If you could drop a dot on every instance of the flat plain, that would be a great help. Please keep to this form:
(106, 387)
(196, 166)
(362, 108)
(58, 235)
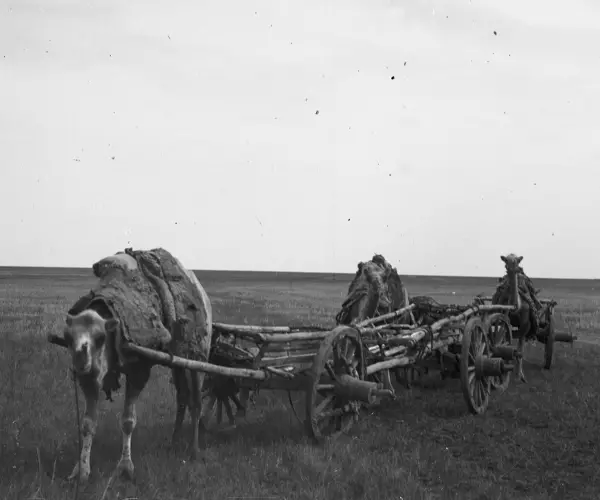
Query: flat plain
(538, 440)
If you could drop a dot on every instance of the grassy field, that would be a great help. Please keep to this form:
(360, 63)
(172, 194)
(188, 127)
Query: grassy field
(536, 441)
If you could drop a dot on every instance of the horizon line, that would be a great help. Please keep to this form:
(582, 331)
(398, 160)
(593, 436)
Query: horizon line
(311, 272)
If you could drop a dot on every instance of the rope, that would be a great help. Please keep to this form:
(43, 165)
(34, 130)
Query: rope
(352, 299)
(76, 493)
(292, 406)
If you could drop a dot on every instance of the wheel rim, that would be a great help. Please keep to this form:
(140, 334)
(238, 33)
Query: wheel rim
(475, 343)
(327, 414)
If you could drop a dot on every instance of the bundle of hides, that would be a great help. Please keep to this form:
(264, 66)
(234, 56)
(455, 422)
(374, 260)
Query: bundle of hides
(429, 310)
(380, 276)
(155, 300)
(392, 295)
(526, 290)
(527, 293)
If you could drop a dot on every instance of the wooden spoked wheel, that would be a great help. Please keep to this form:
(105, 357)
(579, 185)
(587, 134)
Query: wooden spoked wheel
(549, 347)
(327, 414)
(476, 389)
(499, 333)
(220, 393)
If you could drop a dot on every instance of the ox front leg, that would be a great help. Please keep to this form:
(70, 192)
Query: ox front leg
(91, 391)
(136, 381)
(521, 348)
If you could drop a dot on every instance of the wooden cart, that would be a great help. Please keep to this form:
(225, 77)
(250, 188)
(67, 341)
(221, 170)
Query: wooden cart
(345, 369)
(547, 333)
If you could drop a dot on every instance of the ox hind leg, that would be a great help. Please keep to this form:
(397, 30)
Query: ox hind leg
(183, 395)
(523, 331)
(188, 386)
(91, 392)
(137, 378)
(196, 381)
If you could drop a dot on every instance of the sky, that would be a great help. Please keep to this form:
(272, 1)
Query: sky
(302, 135)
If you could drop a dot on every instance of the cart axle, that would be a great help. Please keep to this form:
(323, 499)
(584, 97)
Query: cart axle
(506, 353)
(353, 389)
(491, 367)
(564, 337)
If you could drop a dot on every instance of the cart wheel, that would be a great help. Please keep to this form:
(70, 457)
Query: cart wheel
(499, 331)
(549, 348)
(327, 415)
(476, 389)
(219, 393)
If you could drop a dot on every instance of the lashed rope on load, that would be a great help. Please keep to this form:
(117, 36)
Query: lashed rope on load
(353, 298)
(153, 271)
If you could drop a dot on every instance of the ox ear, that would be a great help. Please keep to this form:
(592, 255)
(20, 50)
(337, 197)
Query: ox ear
(360, 265)
(111, 325)
(68, 336)
(503, 258)
(519, 259)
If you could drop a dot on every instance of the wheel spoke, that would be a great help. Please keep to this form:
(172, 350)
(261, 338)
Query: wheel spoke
(333, 413)
(229, 412)
(330, 370)
(328, 399)
(219, 411)
(207, 412)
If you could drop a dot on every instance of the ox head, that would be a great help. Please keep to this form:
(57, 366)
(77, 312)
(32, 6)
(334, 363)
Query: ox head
(511, 262)
(85, 336)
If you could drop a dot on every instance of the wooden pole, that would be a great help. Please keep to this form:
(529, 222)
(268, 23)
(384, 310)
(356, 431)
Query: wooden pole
(162, 358)
(542, 301)
(401, 361)
(261, 338)
(420, 333)
(384, 317)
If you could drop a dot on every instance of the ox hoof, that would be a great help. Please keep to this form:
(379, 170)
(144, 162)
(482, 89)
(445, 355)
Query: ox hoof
(82, 475)
(176, 439)
(125, 469)
(197, 455)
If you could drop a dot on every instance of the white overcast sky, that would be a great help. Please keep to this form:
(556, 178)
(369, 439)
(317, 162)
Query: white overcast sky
(193, 126)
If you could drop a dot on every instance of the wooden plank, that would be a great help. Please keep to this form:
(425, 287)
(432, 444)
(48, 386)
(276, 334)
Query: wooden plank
(288, 360)
(294, 346)
(301, 382)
